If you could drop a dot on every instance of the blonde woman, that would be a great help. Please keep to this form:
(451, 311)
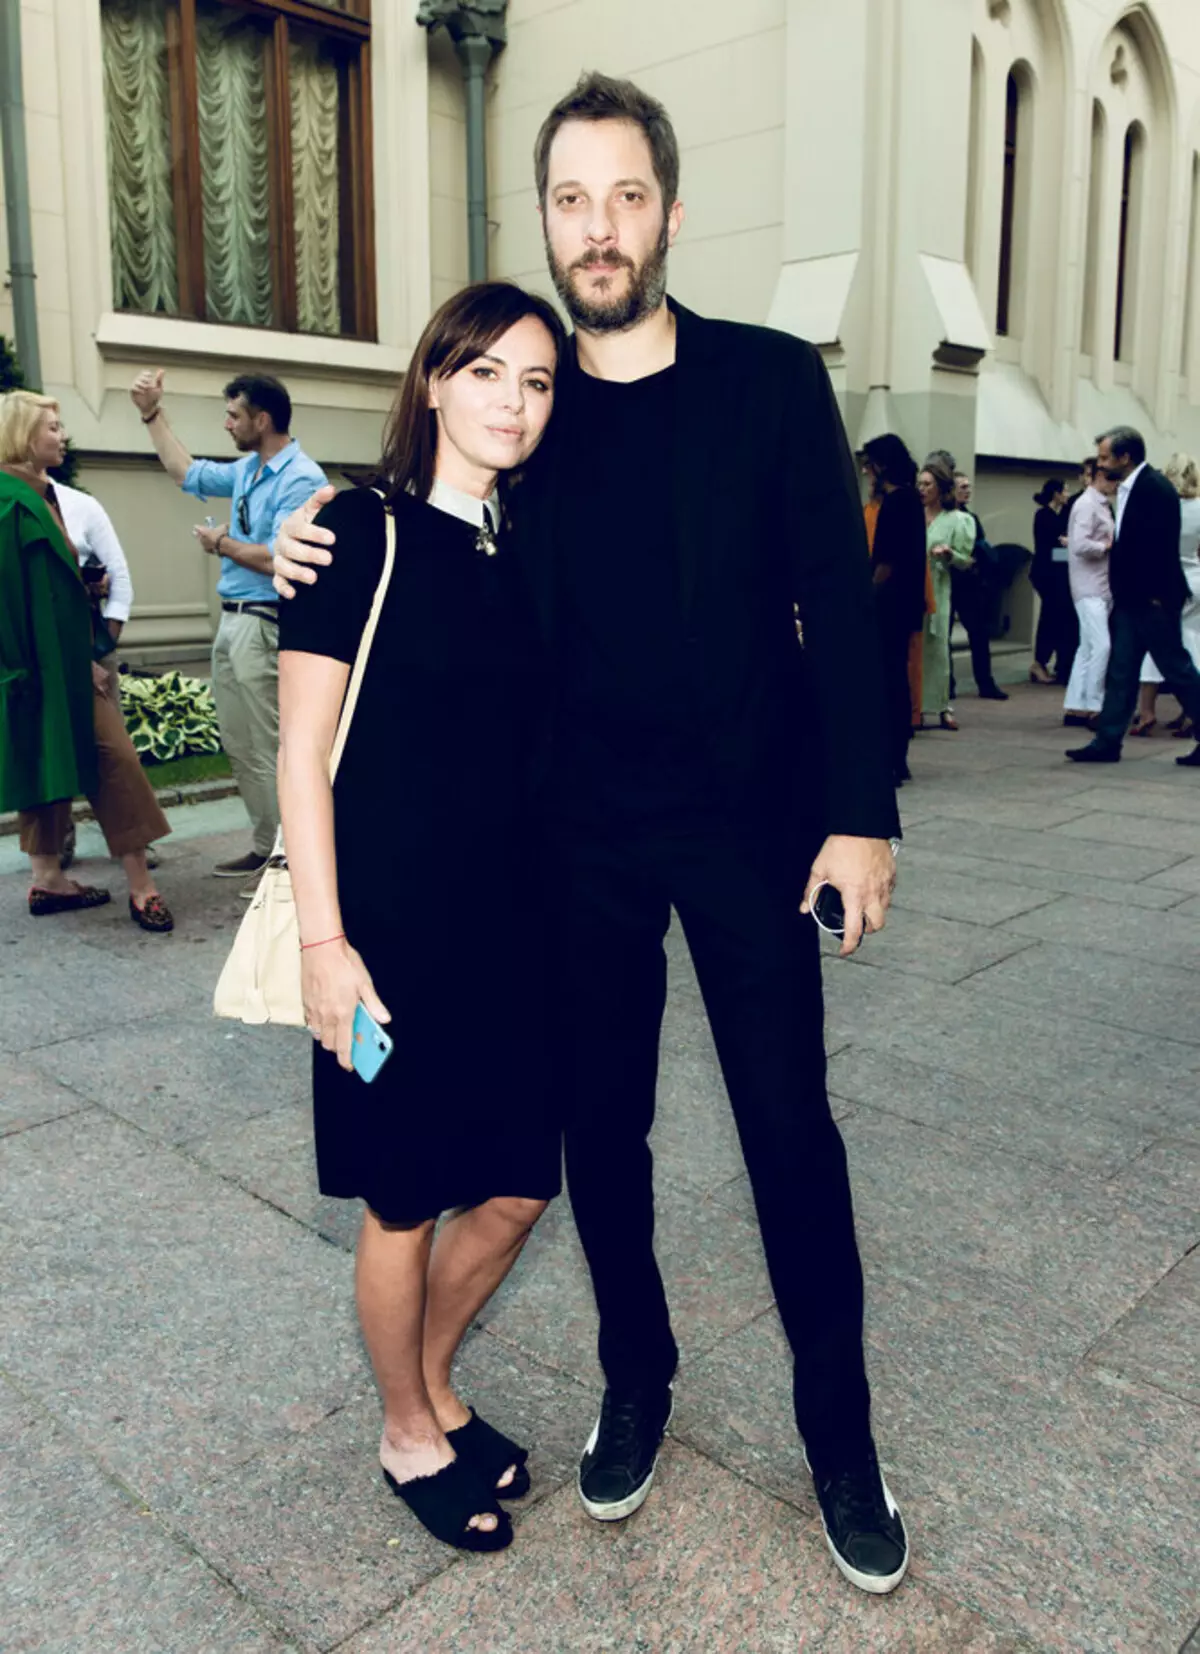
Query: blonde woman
(1183, 473)
(61, 731)
(950, 543)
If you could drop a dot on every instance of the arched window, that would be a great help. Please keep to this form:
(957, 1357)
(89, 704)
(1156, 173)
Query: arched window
(1091, 266)
(1192, 275)
(1014, 208)
(1129, 242)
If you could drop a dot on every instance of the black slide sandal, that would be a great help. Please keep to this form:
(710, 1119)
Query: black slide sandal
(492, 1453)
(444, 1504)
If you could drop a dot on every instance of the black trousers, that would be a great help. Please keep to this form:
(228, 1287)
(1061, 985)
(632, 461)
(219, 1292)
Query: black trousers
(758, 965)
(1058, 624)
(1149, 629)
(971, 597)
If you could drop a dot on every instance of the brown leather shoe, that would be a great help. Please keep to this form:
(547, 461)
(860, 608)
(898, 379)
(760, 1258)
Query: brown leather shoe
(154, 914)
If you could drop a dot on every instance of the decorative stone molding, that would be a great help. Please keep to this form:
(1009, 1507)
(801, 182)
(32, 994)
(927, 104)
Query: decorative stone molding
(1119, 72)
(1001, 10)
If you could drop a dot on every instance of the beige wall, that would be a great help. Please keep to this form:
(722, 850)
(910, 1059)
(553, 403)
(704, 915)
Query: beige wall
(842, 177)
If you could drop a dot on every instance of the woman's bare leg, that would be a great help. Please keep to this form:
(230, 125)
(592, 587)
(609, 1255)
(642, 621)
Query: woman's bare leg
(474, 1251)
(141, 880)
(389, 1277)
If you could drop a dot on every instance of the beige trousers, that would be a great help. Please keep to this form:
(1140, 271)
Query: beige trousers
(123, 802)
(245, 684)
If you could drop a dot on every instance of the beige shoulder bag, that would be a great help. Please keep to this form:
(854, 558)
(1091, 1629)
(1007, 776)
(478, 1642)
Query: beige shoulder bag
(261, 978)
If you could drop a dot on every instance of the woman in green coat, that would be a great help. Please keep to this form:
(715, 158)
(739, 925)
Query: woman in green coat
(61, 731)
(950, 543)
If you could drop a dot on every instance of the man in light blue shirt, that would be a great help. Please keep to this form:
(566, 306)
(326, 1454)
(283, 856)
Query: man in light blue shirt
(274, 476)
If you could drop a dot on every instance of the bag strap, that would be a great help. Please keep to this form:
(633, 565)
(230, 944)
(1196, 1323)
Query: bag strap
(360, 661)
(364, 646)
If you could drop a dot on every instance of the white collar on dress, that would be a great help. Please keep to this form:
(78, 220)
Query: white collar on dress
(468, 507)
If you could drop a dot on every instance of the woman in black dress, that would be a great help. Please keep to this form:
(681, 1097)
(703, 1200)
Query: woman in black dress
(1058, 629)
(416, 888)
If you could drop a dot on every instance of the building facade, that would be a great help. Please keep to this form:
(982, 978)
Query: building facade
(985, 212)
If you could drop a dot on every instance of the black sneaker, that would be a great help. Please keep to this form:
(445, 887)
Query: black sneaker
(863, 1529)
(617, 1467)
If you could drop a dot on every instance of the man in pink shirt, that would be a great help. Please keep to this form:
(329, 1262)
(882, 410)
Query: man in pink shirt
(1089, 540)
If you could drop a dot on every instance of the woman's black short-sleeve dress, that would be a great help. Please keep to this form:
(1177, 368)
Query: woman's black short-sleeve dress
(437, 862)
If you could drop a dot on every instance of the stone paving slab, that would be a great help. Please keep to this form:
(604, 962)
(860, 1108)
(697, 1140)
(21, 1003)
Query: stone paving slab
(1148, 832)
(171, 1320)
(312, 1533)
(929, 889)
(1053, 850)
(944, 950)
(1071, 1134)
(272, 1157)
(1145, 799)
(85, 1567)
(1183, 877)
(1152, 893)
(1168, 1174)
(1156, 1342)
(28, 1098)
(661, 1584)
(1086, 985)
(183, 1075)
(1082, 923)
(74, 988)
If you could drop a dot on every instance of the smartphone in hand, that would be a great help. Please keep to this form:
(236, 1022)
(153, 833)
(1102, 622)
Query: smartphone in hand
(370, 1046)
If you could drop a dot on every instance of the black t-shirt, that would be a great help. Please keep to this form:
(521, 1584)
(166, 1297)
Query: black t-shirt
(627, 742)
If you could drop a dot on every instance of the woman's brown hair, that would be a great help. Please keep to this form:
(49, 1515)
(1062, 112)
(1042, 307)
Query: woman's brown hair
(943, 478)
(462, 329)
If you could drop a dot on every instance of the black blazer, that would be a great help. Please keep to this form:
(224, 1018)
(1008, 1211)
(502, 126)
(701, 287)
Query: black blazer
(769, 527)
(1144, 565)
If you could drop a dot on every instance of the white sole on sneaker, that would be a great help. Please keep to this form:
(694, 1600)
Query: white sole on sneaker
(623, 1507)
(878, 1585)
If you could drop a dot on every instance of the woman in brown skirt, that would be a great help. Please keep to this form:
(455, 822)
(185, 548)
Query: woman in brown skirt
(61, 731)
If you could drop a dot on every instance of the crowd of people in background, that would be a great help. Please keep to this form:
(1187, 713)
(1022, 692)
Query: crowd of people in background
(933, 566)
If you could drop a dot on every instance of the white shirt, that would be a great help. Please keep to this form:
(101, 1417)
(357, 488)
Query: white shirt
(467, 507)
(90, 529)
(1123, 491)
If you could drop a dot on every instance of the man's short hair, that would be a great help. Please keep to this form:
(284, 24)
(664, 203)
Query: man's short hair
(262, 394)
(597, 97)
(1124, 440)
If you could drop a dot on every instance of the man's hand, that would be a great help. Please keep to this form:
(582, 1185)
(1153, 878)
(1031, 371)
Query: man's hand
(299, 545)
(863, 871)
(210, 538)
(147, 392)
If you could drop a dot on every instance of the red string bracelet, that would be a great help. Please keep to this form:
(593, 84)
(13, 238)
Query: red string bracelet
(340, 937)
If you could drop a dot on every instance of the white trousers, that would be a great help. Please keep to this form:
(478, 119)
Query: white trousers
(1190, 623)
(1085, 692)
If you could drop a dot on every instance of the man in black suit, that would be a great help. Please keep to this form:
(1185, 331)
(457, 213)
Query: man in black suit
(693, 506)
(1149, 590)
(696, 496)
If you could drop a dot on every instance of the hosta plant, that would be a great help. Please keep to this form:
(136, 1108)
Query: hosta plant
(170, 716)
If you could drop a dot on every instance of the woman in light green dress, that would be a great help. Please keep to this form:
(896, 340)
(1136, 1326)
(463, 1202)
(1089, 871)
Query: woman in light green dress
(950, 542)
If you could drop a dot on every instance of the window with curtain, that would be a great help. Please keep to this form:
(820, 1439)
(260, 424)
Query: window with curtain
(239, 161)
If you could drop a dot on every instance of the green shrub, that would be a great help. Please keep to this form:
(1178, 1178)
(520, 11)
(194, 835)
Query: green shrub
(169, 716)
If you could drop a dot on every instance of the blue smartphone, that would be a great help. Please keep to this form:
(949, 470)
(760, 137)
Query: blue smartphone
(370, 1047)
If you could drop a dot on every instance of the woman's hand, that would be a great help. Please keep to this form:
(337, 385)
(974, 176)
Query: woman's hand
(100, 679)
(941, 552)
(298, 544)
(333, 979)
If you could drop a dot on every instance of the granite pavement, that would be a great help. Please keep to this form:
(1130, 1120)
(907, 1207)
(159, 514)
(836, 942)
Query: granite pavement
(187, 1417)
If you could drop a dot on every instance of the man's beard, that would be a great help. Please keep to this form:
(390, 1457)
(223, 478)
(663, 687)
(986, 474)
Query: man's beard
(647, 288)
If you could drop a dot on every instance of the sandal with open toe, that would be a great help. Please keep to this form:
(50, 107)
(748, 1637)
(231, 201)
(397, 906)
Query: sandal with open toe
(1143, 725)
(444, 1505)
(492, 1453)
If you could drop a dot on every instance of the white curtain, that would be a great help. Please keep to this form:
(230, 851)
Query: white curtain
(234, 170)
(314, 97)
(138, 111)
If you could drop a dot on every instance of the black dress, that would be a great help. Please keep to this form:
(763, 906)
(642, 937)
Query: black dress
(437, 867)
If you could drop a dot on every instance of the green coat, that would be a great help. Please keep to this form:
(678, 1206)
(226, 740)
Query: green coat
(47, 734)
